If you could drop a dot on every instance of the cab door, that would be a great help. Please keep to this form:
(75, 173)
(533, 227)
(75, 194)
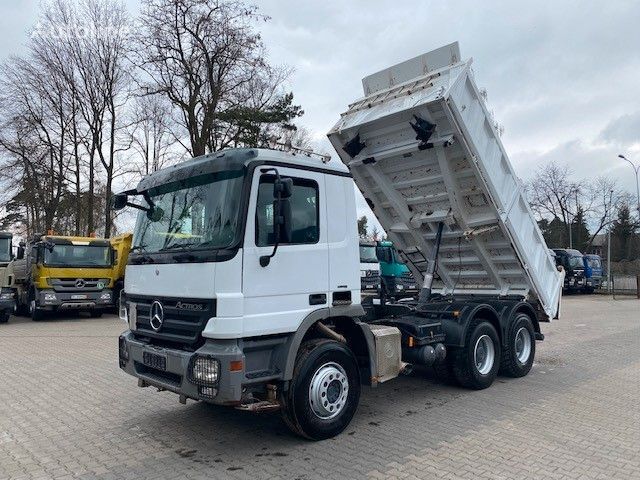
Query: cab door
(277, 297)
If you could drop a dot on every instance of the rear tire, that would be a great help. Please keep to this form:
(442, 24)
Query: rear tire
(324, 393)
(476, 365)
(444, 371)
(517, 358)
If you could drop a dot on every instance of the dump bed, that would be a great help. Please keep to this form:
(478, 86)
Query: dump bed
(423, 149)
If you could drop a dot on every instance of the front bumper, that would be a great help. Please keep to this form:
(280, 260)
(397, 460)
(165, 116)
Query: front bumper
(176, 375)
(7, 300)
(50, 299)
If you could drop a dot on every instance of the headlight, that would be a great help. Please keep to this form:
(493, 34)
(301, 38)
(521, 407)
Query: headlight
(50, 297)
(105, 296)
(400, 287)
(204, 370)
(363, 273)
(122, 308)
(6, 294)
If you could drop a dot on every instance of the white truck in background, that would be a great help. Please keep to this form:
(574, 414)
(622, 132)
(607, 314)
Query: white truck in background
(369, 269)
(242, 287)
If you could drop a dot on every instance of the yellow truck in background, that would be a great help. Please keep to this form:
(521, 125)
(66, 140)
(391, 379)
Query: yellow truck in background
(121, 246)
(7, 296)
(53, 272)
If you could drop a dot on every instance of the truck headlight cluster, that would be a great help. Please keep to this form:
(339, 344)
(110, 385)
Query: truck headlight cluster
(6, 294)
(50, 297)
(204, 370)
(105, 296)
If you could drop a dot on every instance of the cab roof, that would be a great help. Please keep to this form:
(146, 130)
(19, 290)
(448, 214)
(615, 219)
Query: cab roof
(234, 159)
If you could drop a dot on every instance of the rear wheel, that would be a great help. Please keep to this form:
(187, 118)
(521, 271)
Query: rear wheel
(324, 392)
(517, 358)
(476, 365)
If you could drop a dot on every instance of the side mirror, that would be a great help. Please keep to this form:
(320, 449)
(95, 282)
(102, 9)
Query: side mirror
(114, 255)
(119, 201)
(155, 214)
(282, 190)
(20, 251)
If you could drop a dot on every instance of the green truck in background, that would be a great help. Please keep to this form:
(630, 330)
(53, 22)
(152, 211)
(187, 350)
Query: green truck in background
(396, 279)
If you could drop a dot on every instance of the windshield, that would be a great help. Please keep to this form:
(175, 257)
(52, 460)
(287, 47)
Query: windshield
(78, 256)
(368, 254)
(195, 213)
(5, 250)
(576, 262)
(593, 262)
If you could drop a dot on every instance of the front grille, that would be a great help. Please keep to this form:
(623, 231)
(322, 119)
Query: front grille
(182, 324)
(69, 284)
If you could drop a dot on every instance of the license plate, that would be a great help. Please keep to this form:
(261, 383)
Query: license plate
(153, 360)
(133, 316)
(78, 297)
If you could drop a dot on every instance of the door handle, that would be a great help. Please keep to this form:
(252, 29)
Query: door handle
(318, 299)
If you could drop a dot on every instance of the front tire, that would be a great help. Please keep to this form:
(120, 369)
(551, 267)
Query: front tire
(517, 358)
(4, 317)
(476, 365)
(325, 390)
(34, 312)
(95, 313)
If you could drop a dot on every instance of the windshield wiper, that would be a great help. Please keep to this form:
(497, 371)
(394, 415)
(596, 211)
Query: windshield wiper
(175, 246)
(142, 248)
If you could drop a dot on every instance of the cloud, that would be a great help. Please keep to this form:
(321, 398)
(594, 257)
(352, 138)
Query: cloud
(624, 130)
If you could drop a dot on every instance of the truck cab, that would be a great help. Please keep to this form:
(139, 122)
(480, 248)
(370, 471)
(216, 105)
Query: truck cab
(7, 294)
(53, 272)
(397, 280)
(573, 263)
(369, 269)
(592, 272)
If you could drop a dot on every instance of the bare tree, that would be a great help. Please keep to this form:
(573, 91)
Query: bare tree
(206, 58)
(151, 133)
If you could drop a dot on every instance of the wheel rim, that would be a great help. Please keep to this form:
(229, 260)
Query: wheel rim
(484, 354)
(328, 391)
(523, 345)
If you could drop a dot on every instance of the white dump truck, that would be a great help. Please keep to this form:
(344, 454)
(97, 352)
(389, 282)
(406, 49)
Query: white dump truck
(243, 285)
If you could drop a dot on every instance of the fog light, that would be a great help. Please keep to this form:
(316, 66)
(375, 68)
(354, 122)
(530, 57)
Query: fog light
(207, 391)
(49, 297)
(204, 370)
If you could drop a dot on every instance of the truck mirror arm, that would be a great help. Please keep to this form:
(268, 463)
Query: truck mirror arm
(281, 192)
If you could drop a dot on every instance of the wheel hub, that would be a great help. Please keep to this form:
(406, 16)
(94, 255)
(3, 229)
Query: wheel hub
(484, 354)
(328, 390)
(523, 345)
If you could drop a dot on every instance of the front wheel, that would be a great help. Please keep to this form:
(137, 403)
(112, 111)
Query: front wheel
(325, 390)
(517, 358)
(476, 365)
(4, 317)
(95, 313)
(34, 312)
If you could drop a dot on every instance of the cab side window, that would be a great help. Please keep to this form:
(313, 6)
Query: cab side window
(305, 212)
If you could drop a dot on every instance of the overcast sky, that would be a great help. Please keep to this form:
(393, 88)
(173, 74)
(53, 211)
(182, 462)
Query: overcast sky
(563, 78)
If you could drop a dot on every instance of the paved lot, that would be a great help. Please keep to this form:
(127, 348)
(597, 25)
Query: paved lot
(67, 411)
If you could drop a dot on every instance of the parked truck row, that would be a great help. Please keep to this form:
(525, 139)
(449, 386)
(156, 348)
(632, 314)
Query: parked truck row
(243, 287)
(53, 272)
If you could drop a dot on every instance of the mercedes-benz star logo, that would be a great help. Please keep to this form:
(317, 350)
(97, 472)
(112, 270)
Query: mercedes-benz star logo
(156, 315)
(80, 283)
